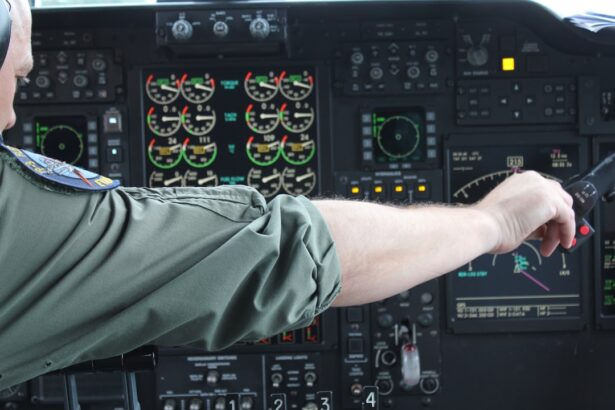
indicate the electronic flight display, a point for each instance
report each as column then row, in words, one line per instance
column 62, row 138
column 521, row 290
column 206, row 127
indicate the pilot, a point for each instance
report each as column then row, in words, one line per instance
column 89, row 270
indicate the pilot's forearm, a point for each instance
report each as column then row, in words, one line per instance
column 384, row 250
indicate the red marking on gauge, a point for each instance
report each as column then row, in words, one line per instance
column 250, row 140
column 184, row 78
column 212, row 82
column 248, row 75
column 185, row 144
column 185, row 110
column 179, row 84
column 250, row 107
column 284, row 139
column 150, row 78
column 283, row 108
column 151, row 144
column 311, row 80
column 277, row 80
column 151, row 111
column 282, row 75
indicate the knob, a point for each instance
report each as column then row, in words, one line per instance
column 98, row 64
column 196, row 404
column 413, row 72
column 388, row 357
column 220, row 404
column 42, row 81
column 221, row 29
column 182, row 30
column 276, row 379
column 310, row 406
column 80, row 81
column 247, row 403
column 376, row 73
column 212, row 378
column 425, row 319
column 62, row 57
column 357, row 58
column 385, row 386
column 432, row 56
column 310, row 379
column 385, row 320
column 430, row 385
column 260, row 28
column 478, row 56
column 169, row 404
column 356, row 390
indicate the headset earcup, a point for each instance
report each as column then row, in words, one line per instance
column 5, row 30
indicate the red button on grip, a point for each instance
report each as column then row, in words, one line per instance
column 584, row 230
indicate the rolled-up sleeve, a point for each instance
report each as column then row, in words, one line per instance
column 87, row 276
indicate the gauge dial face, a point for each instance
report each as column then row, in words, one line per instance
column 398, row 137
column 199, row 152
column 164, row 121
column 64, row 143
column 297, row 117
column 166, row 153
column 262, row 118
column 298, row 149
column 296, row 85
column 263, row 150
column 266, row 180
column 162, row 179
column 197, row 89
column 199, row 120
column 201, row 178
column 164, row 89
column 299, row 181
column 261, row 86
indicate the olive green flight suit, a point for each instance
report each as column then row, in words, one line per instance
column 86, row 276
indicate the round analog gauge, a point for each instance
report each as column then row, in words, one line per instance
column 197, row 89
column 165, row 155
column 262, row 118
column 266, row 180
column 297, row 117
column 298, row 149
column 299, row 181
column 263, row 150
column 160, row 179
column 164, row 121
column 398, row 137
column 200, row 120
column 296, row 86
column 201, row 178
column 162, row 90
column 199, row 152
column 64, row 143
column 261, row 87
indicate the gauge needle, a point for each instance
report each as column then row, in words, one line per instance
column 204, row 87
column 306, row 176
column 175, row 147
column 204, row 117
column 267, row 116
column 172, row 180
column 267, row 85
column 302, row 85
column 206, row 180
column 536, row 281
column 303, row 114
column 209, row 146
column 168, row 88
column 307, row 143
column 273, row 144
column 167, row 119
column 271, row 177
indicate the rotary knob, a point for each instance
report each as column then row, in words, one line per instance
column 221, row 29
column 478, row 56
column 260, row 28
column 182, row 30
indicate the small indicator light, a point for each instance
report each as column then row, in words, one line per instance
column 399, row 188
column 378, row 189
column 508, row 64
column 422, row 188
column 355, row 190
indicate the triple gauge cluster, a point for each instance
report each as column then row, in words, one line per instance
column 209, row 127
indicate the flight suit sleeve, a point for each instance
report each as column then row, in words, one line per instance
column 91, row 275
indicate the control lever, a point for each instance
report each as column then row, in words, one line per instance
column 598, row 182
column 410, row 360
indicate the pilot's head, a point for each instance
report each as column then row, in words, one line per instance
column 18, row 61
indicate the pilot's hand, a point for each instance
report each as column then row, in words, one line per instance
column 529, row 206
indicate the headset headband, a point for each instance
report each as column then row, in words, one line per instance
column 5, row 30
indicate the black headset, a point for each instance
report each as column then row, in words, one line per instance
column 5, row 30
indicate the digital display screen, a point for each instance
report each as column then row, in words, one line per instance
column 399, row 135
column 206, row 127
column 607, row 247
column 62, row 138
column 507, row 292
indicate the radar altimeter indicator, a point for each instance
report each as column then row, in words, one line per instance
column 296, row 86
column 165, row 155
column 200, row 120
column 398, row 136
column 197, row 89
column 201, row 178
column 199, row 152
column 299, row 181
column 297, row 117
column 162, row 90
column 262, row 118
column 298, row 149
column 161, row 179
column 164, row 121
column 267, row 181
column 261, row 87
column 263, row 150
column 61, row 142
